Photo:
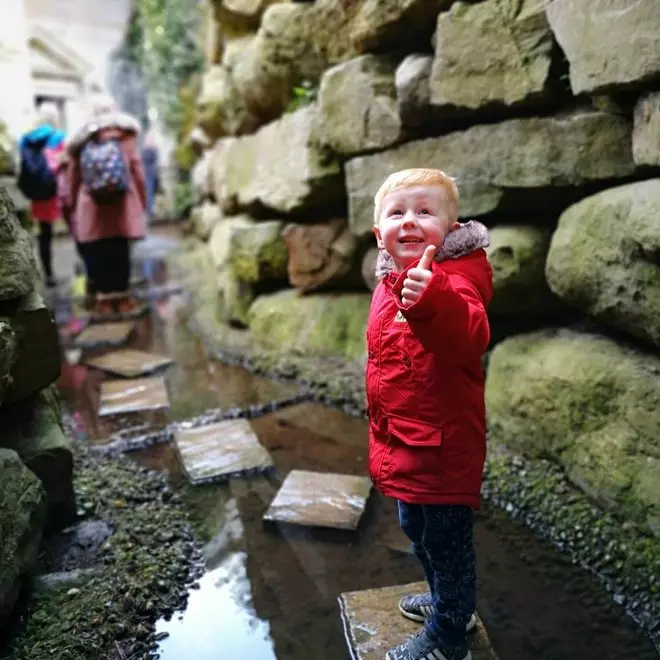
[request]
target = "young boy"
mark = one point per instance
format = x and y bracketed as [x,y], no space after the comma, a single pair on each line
[426,334]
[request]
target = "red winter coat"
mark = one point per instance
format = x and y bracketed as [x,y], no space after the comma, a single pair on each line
[425,383]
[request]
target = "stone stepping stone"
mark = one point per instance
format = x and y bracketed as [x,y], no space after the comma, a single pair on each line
[119,397]
[219,451]
[129,362]
[373,624]
[104,334]
[318,499]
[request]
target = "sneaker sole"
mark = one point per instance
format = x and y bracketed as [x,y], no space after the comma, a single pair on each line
[440,657]
[471,624]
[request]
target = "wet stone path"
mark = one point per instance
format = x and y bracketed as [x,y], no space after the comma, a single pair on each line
[272,589]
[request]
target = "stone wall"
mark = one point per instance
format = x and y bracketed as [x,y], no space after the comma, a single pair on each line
[36,462]
[547,112]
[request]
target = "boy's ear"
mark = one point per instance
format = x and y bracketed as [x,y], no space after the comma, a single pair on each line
[454,226]
[379,238]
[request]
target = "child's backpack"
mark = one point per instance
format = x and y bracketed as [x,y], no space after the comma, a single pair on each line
[36,180]
[103,170]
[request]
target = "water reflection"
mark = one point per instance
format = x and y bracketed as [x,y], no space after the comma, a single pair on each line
[219,621]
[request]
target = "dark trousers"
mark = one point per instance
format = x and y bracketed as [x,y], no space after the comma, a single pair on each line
[108,263]
[442,540]
[45,247]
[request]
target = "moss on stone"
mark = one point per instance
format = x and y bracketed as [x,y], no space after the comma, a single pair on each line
[258,253]
[587,403]
[323,324]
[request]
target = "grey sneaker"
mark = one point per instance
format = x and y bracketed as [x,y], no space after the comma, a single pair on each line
[422,647]
[420,607]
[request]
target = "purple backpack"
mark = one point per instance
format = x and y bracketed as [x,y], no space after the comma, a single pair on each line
[103,170]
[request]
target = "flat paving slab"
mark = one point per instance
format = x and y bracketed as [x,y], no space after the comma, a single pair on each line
[219,451]
[373,624]
[104,334]
[119,397]
[129,362]
[318,499]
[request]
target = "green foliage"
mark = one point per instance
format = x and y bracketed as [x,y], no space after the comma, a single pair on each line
[302,95]
[164,38]
[183,199]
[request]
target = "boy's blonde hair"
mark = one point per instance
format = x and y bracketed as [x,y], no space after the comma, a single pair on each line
[419,176]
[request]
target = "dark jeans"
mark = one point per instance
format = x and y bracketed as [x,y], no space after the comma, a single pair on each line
[108,263]
[442,540]
[45,250]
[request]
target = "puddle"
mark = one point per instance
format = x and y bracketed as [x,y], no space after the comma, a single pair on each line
[219,621]
[270,591]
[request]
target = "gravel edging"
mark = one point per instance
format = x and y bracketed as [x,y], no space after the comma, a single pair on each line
[148,565]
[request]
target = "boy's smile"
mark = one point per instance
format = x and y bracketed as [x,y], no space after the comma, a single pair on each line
[413,218]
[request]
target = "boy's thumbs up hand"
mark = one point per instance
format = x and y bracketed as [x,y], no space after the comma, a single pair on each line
[418,278]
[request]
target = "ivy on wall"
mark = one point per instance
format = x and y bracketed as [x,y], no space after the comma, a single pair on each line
[164,37]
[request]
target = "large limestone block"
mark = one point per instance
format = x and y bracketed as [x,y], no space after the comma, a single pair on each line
[204,218]
[608,43]
[7,356]
[380,24]
[646,131]
[603,258]
[319,253]
[22,512]
[318,323]
[37,359]
[566,150]
[278,168]
[258,252]
[413,92]
[498,51]
[237,14]
[18,269]
[219,163]
[33,429]
[517,256]
[589,403]
[221,237]
[357,106]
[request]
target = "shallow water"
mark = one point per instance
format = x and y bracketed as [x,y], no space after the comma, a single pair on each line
[270,590]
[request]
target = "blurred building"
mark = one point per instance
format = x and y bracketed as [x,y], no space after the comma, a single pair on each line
[58,51]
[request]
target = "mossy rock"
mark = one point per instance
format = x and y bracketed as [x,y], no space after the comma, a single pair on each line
[18,268]
[37,356]
[33,429]
[7,355]
[603,258]
[589,404]
[22,512]
[517,256]
[322,324]
[258,253]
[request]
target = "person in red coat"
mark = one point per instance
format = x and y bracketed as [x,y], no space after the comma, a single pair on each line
[426,334]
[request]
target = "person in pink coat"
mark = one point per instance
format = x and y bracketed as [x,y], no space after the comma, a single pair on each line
[106,226]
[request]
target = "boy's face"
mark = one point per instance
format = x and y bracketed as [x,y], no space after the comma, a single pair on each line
[412,218]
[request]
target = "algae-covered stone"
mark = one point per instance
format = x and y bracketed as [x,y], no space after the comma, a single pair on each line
[517,256]
[322,324]
[22,510]
[33,429]
[588,403]
[498,51]
[7,356]
[221,237]
[603,258]
[236,296]
[646,131]
[279,169]
[357,106]
[258,252]
[37,358]
[486,160]
[18,269]
[608,43]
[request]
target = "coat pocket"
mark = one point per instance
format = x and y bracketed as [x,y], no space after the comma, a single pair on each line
[414,432]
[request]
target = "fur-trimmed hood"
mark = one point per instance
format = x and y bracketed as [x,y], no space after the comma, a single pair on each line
[120,120]
[469,237]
